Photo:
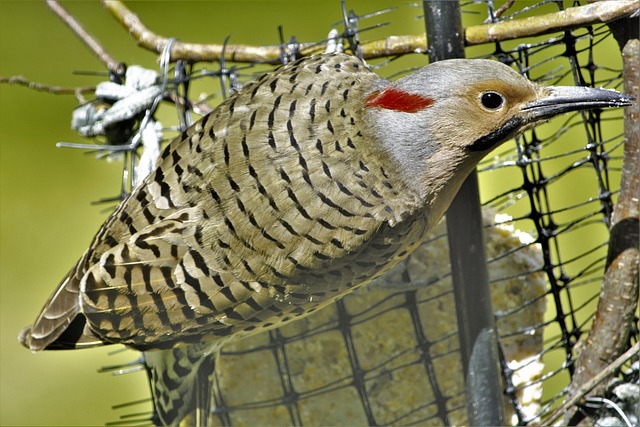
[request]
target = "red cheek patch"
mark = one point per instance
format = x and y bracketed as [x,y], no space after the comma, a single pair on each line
[397,100]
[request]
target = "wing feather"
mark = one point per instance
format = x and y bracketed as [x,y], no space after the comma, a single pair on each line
[247,220]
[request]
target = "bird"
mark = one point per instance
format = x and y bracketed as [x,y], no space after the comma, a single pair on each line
[303,186]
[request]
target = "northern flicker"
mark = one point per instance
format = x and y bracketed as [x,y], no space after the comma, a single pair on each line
[303,186]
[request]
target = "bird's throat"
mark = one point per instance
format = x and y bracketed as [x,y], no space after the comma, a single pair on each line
[498,136]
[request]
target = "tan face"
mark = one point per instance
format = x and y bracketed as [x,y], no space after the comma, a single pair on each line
[490,112]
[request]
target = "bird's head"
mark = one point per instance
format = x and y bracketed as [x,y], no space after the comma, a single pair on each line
[440,121]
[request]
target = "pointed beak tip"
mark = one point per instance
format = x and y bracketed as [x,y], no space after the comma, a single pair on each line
[627,100]
[584,95]
[564,99]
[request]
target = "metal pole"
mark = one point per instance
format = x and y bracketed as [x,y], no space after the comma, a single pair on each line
[476,326]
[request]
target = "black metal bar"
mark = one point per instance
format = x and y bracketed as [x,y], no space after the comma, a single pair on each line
[445,35]
[476,325]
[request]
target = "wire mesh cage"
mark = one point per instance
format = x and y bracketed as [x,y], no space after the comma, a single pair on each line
[389,354]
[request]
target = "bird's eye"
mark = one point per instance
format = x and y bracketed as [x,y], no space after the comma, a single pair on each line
[491,100]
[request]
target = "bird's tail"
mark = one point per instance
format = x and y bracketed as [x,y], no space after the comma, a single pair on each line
[60,324]
[181,381]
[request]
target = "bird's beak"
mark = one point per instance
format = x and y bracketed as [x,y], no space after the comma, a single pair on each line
[563,99]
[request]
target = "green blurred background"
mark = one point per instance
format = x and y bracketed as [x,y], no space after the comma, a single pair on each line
[47,219]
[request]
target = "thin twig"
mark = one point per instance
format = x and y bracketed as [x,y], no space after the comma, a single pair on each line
[504,8]
[87,38]
[42,87]
[589,385]
[590,14]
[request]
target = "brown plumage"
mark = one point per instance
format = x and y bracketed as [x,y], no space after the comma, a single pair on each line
[297,190]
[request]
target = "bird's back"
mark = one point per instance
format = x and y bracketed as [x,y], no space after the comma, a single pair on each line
[273,204]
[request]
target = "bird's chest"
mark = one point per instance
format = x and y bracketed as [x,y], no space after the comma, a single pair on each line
[382,251]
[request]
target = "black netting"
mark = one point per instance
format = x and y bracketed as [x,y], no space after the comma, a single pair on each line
[389,354]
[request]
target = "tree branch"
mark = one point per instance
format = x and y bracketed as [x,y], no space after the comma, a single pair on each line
[602,12]
[87,38]
[618,301]
[573,17]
